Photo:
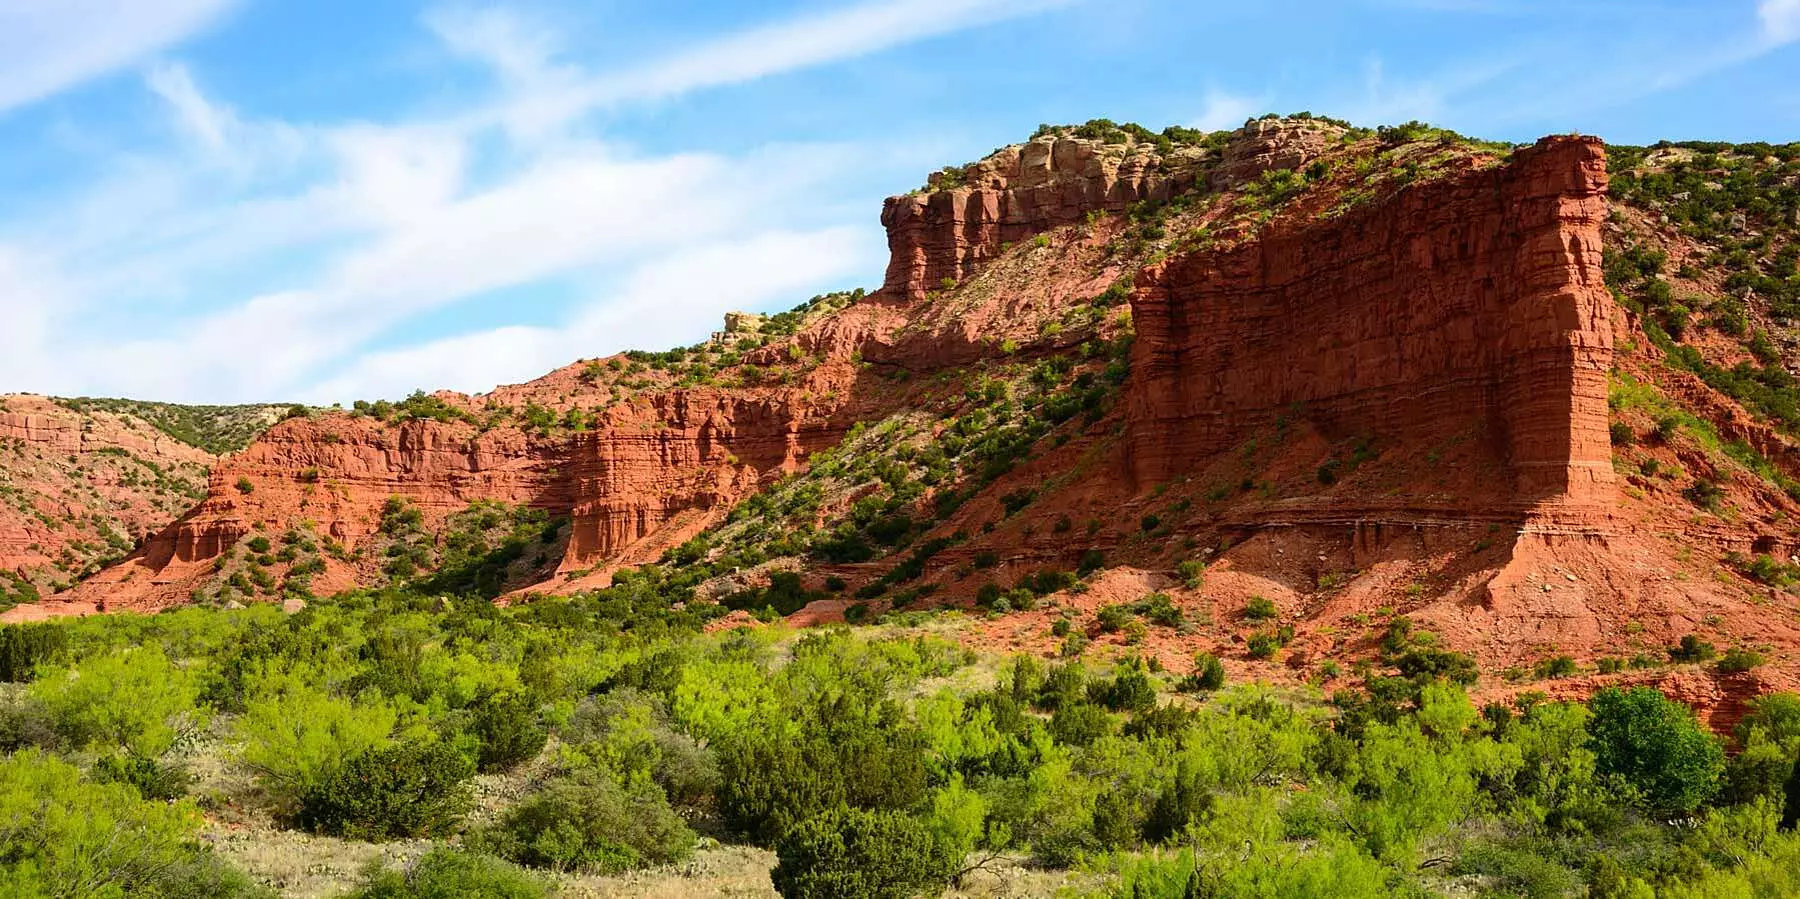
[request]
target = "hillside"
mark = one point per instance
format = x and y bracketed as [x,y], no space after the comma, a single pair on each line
[1339,373]
[84,481]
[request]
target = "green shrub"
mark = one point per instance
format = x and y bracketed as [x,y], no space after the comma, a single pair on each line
[134,701]
[1111,618]
[1260,608]
[1192,572]
[1130,691]
[1738,660]
[591,824]
[507,726]
[1654,745]
[1080,723]
[1692,649]
[1557,667]
[1262,645]
[449,873]
[62,835]
[1208,675]
[852,854]
[24,647]
[404,790]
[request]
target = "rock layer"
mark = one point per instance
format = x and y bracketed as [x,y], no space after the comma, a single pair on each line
[1020,191]
[1470,308]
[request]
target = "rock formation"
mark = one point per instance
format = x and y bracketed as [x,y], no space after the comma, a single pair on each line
[77,486]
[1466,308]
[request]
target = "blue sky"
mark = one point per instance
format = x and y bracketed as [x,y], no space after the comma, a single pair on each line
[274,200]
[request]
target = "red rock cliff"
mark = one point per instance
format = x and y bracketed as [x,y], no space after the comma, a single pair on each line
[1470,307]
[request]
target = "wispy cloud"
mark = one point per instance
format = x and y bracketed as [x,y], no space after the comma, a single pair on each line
[1780,20]
[395,219]
[46,47]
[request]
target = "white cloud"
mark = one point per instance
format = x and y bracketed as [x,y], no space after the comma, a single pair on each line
[1226,111]
[561,93]
[49,45]
[1780,20]
[340,236]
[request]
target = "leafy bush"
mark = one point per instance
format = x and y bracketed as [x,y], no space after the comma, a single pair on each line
[1738,660]
[23,647]
[404,790]
[297,739]
[853,854]
[591,824]
[1260,608]
[1208,675]
[135,701]
[1654,745]
[507,726]
[1080,723]
[61,835]
[1692,649]
[1263,645]
[1130,691]
[448,873]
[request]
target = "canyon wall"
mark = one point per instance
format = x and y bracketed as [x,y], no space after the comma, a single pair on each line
[1465,309]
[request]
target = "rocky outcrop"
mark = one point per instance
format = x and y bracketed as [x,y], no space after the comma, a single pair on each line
[967,216]
[1019,191]
[1469,309]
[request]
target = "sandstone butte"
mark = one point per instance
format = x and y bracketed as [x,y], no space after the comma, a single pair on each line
[1444,344]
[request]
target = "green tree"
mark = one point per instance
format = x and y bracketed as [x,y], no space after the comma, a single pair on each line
[854,854]
[1654,745]
[296,737]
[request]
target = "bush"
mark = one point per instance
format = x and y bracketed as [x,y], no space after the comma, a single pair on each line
[23,647]
[1263,645]
[135,701]
[1209,673]
[297,738]
[447,873]
[1691,649]
[591,824]
[1260,608]
[61,835]
[1557,667]
[1112,618]
[1192,572]
[1654,745]
[404,790]
[1738,660]
[852,854]
[509,731]
[1080,724]
[1130,691]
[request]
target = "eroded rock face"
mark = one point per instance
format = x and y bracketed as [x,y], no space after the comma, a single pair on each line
[1014,194]
[74,484]
[1470,309]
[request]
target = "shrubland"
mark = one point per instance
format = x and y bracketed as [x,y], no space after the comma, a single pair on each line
[877,761]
